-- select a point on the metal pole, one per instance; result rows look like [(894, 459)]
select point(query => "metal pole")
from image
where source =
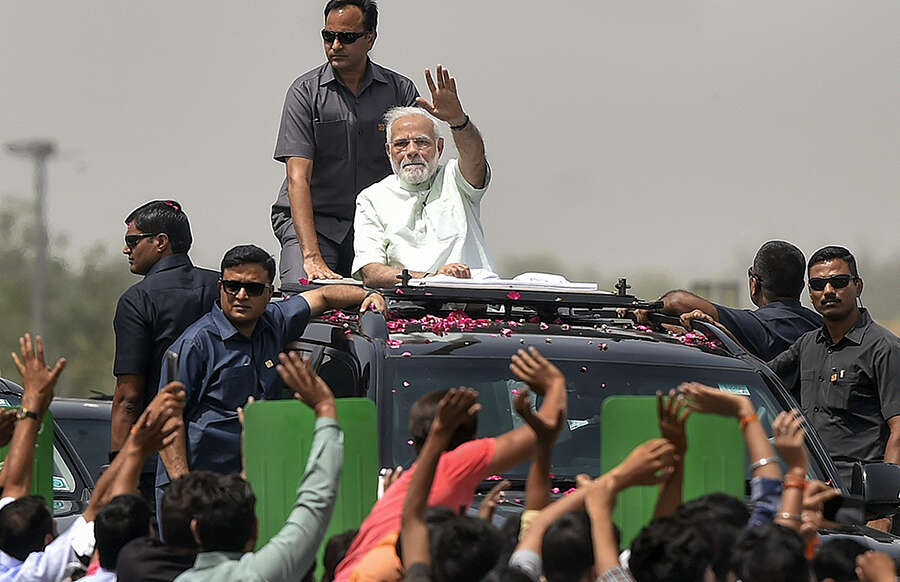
[(38, 151)]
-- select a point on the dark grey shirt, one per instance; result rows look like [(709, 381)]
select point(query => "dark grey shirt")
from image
[(848, 389), (343, 134)]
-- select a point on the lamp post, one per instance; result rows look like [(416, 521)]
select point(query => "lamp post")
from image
[(38, 150)]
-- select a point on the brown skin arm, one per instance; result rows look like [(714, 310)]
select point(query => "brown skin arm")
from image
[(174, 456), (380, 276), (299, 174), (126, 407), (340, 297), (679, 301)]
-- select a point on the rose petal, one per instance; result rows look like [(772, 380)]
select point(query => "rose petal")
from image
[(514, 295), (303, 281), (405, 355)]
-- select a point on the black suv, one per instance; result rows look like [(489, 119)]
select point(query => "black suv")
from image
[(449, 336), (80, 447)]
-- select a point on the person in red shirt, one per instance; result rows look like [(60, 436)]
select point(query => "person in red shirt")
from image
[(463, 465)]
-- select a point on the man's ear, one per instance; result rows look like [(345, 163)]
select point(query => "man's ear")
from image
[(195, 532), (162, 242), (254, 535), (47, 539), (859, 287), (440, 146), (371, 41), (387, 150)]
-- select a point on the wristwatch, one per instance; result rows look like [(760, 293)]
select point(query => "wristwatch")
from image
[(24, 413)]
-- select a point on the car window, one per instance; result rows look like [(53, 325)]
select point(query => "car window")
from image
[(90, 437), (63, 479), (588, 384)]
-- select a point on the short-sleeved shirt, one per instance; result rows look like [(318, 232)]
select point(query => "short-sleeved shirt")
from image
[(151, 314), (343, 134), (770, 329), (458, 473), (421, 227), (221, 368), (848, 389)]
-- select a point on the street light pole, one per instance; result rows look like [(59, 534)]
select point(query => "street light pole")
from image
[(39, 150)]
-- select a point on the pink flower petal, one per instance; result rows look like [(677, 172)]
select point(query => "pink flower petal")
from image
[(303, 281), (405, 384), (555, 490), (405, 355), (399, 291), (514, 295)]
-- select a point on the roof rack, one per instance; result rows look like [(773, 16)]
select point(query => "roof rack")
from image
[(509, 296)]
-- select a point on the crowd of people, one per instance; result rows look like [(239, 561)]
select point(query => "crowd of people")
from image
[(366, 196)]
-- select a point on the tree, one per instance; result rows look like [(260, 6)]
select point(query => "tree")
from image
[(82, 305)]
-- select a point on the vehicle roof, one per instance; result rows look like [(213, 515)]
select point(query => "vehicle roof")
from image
[(65, 407), (500, 337)]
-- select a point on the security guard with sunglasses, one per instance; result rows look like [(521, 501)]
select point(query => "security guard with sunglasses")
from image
[(231, 354), (849, 383), (152, 313), (331, 141)]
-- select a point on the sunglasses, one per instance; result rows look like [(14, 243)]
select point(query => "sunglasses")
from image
[(345, 37), (234, 287), (132, 240), (837, 281)]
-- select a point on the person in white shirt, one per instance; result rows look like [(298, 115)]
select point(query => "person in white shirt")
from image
[(426, 216)]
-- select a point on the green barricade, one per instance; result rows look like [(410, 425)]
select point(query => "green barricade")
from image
[(278, 436), (42, 481), (715, 460)]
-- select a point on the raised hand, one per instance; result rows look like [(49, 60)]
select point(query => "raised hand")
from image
[(546, 431), (444, 103), (789, 439), (308, 387), (648, 464), (875, 567), (155, 428), (7, 426), (457, 406), (710, 400), (38, 380), (673, 413), (535, 370), (491, 500)]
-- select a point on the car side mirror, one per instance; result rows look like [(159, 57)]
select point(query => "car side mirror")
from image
[(879, 486)]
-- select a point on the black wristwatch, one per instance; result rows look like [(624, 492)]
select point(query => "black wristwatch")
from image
[(24, 413)]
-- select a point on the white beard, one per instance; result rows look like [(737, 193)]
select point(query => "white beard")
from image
[(413, 175)]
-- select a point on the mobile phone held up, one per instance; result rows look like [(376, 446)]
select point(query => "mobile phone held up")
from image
[(171, 366)]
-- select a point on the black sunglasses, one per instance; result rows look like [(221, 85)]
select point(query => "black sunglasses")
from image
[(345, 37), (837, 281), (132, 240), (234, 287)]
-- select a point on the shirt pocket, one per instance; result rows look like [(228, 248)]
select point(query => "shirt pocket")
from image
[(235, 385), (839, 392), (331, 139), (446, 217), (808, 389)]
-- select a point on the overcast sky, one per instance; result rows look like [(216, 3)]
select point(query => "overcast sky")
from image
[(627, 135)]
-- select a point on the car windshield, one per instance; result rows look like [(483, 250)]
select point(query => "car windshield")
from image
[(588, 384)]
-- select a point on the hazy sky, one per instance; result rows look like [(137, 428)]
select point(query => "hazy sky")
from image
[(626, 135)]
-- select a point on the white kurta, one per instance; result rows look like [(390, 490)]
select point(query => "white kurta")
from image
[(422, 229)]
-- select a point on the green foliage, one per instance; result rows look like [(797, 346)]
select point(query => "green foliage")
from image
[(81, 306)]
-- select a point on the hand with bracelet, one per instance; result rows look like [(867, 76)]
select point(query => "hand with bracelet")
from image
[(713, 401), (789, 440)]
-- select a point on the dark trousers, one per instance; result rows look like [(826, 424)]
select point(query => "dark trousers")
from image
[(338, 256)]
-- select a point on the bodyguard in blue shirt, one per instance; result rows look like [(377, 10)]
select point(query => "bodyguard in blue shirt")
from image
[(775, 281), (230, 354)]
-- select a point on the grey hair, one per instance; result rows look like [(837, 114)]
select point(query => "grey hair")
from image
[(395, 113)]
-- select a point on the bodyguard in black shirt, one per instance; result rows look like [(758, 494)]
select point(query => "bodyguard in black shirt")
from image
[(775, 281), (849, 368), (151, 314)]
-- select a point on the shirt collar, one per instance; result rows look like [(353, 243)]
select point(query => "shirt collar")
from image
[(224, 325), (7, 562), (373, 73), (213, 559), (171, 262), (856, 333)]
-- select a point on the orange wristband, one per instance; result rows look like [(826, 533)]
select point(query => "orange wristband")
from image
[(795, 484), (747, 420)]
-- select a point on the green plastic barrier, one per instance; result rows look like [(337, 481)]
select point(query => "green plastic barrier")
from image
[(715, 459), (42, 481), (277, 439)]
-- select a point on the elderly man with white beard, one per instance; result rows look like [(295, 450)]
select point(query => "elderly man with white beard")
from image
[(426, 216)]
